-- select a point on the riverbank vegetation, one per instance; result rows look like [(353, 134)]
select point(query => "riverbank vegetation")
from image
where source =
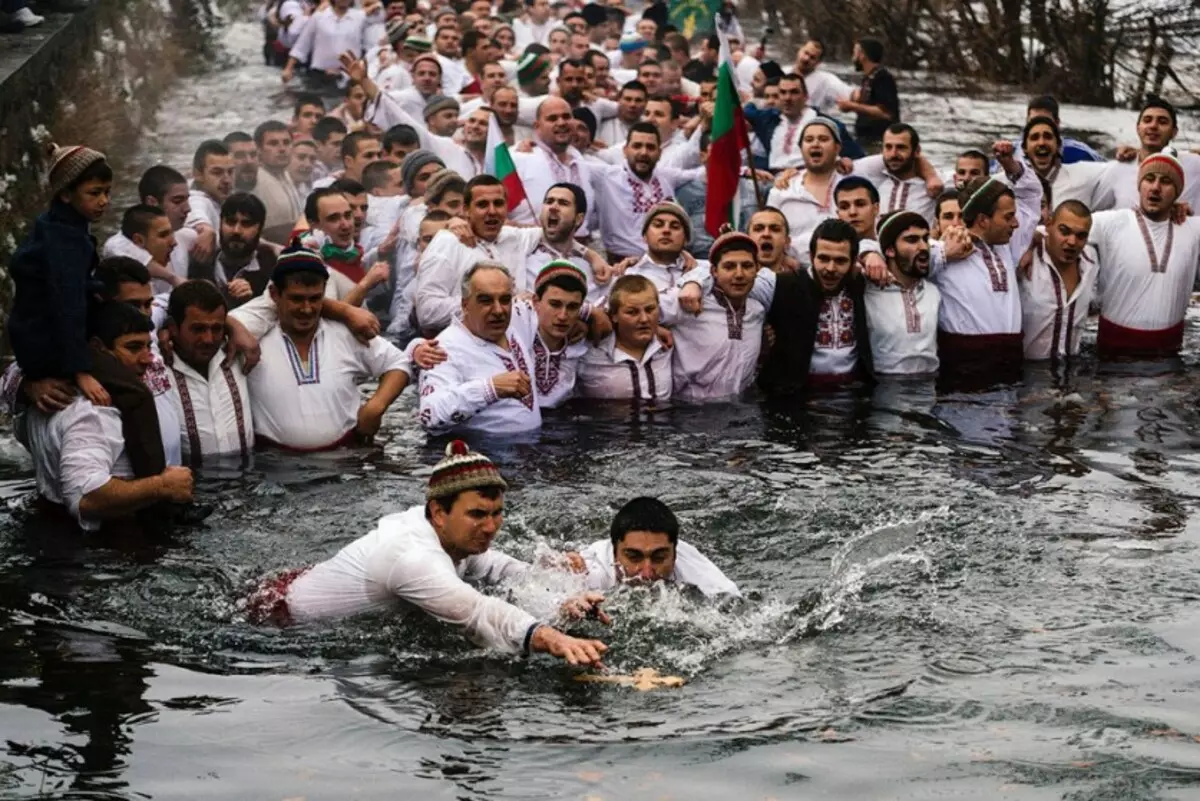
[(1102, 52)]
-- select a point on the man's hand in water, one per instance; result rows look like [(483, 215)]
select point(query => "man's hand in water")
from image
[(586, 604), (573, 650)]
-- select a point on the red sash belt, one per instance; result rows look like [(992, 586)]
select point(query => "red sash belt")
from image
[(833, 380), (980, 348), (347, 440), (1117, 340)]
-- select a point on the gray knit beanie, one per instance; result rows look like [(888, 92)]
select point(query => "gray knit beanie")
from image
[(412, 165)]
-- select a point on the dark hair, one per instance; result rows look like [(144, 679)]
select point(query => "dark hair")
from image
[(733, 245), (447, 501), (96, 171), (452, 184), (471, 40), (705, 140), (834, 230), (904, 128), (649, 62), (209, 147), (402, 134), (982, 202), (633, 86), (666, 99), (573, 63), (795, 76), (137, 219), (479, 180), (157, 180), (204, 295), (854, 182), (948, 195), (437, 215), (1154, 101), (375, 174), (590, 57), (644, 514), (978, 155), (270, 126), (1036, 121), (713, 42), (110, 273), (348, 186), (350, 143), (872, 49), (819, 43), (567, 283), (307, 99), (1076, 207), (312, 204), (787, 227), (642, 127), (580, 196), (299, 277), (327, 127), (247, 205), (111, 320), (1043, 103), (238, 137), (676, 41)]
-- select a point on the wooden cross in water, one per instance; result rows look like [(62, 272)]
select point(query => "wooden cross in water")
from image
[(642, 679)]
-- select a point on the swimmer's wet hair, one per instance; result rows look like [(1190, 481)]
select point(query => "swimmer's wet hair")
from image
[(644, 514)]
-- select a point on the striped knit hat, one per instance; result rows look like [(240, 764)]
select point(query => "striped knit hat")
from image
[(531, 67), (296, 258), (463, 469), (68, 163), (734, 240), (418, 44), (560, 268), (1165, 164)]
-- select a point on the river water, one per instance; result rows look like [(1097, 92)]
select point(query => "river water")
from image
[(987, 595)]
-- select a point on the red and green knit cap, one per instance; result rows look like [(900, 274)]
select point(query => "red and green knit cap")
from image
[(461, 470), (1165, 164), (560, 267)]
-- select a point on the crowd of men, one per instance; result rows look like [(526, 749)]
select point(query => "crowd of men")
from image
[(245, 299)]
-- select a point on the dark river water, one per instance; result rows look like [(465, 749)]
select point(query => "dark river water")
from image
[(949, 596)]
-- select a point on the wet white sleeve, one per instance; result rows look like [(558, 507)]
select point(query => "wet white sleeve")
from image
[(448, 400), (438, 296), (696, 569), (493, 567), (1028, 191), (432, 585), (380, 356), (258, 315), (85, 461)]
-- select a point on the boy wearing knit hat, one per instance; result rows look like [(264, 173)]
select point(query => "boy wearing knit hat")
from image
[(51, 270), (550, 321), (431, 558)]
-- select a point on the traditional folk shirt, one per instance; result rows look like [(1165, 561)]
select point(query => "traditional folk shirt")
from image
[(785, 141), (327, 35), (1147, 269), (716, 352), (835, 352), (75, 452), (545, 253), (314, 406), (624, 199), (825, 89), (1122, 183), (803, 211), (554, 371), (1052, 319), (458, 393), (896, 194), (691, 567), (610, 373), (903, 326), (1085, 181), (979, 293), (401, 566), (213, 409), (438, 296), (540, 170)]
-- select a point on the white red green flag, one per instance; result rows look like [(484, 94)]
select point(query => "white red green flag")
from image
[(498, 162), (728, 140)]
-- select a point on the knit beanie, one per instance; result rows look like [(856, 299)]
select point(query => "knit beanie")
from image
[(827, 122), (585, 115), (734, 240), (1165, 164), (461, 470), (419, 44), (412, 165), (439, 103), (296, 258), (531, 67), (631, 43), (68, 163), (397, 30), (430, 57), (895, 224), (557, 268), (675, 210), (437, 182)]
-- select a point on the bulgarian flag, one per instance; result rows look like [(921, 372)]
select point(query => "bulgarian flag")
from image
[(498, 162), (727, 141)]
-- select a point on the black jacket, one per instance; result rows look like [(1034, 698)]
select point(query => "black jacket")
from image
[(794, 315)]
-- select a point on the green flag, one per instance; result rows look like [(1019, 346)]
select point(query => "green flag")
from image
[(689, 15)]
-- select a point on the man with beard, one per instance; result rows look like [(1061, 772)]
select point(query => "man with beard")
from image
[(507, 104), (807, 198), (980, 325), (877, 101), (484, 384), (1085, 181), (906, 181), (547, 322), (1157, 126), (274, 186), (1058, 286), (563, 211), (438, 295), (243, 265), (302, 165), (1148, 264), (552, 161), (631, 105), (211, 396), (970, 164), (626, 193), (902, 315), (447, 44), (304, 393), (716, 350), (857, 203), (644, 547), (780, 129), (824, 88), (242, 147), (1072, 150), (328, 133)]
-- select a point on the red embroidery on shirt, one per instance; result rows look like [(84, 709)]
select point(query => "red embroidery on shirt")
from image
[(912, 314), (517, 366), (994, 264)]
